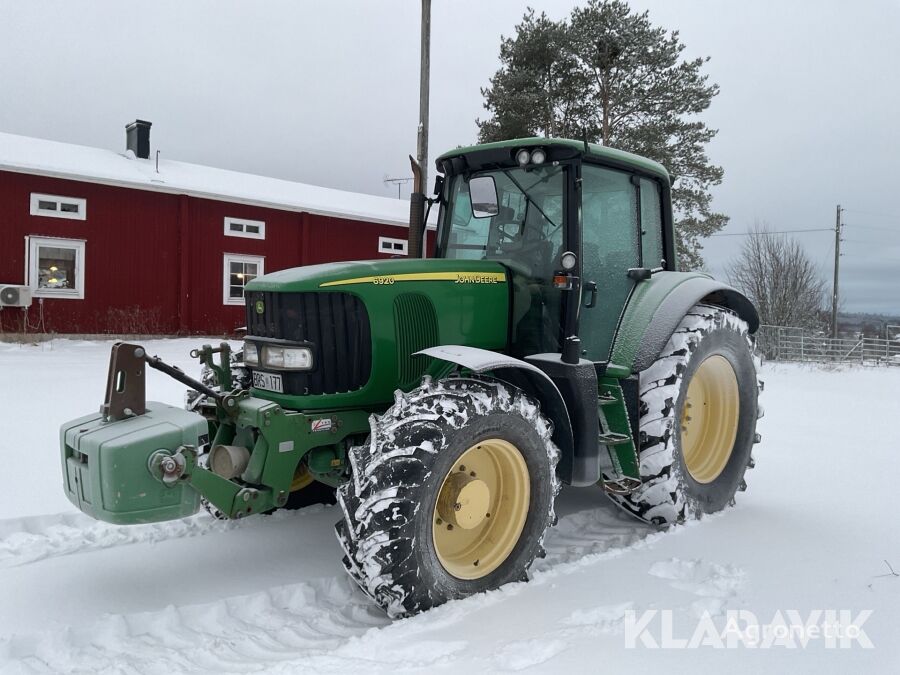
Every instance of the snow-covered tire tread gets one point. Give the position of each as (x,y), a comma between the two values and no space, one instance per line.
(380,501)
(662,498)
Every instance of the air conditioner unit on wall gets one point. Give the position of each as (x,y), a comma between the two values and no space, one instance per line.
(15,296)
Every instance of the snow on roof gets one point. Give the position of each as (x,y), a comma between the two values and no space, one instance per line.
(23,154)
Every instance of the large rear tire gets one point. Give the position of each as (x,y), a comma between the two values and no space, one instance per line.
(451,496)
(698,412)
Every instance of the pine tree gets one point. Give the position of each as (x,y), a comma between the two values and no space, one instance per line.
(607,74)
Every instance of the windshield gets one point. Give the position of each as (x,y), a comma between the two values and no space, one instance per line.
(527,231)
(526,235)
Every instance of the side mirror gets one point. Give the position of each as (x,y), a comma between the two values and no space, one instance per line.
(483,193)
(438,185)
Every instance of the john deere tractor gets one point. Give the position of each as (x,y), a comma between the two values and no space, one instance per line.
(550,340)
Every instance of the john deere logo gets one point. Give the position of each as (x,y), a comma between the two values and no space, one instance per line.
(260,307)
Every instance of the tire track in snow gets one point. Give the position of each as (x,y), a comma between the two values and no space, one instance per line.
(33,538)
(238,634)
(322,625)
(591,531)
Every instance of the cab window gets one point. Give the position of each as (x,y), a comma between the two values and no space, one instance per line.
(527,231)
(610,247)
(526,235)
(651,224)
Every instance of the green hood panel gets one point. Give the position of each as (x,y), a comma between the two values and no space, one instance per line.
(354,276)
(411,304)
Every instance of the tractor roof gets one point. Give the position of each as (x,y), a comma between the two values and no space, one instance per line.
(597,152)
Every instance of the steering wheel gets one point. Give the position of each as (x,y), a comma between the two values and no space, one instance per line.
(504,235)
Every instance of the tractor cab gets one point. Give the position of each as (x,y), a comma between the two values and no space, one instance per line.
(577,225)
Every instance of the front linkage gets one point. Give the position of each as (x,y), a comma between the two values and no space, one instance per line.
(140,461)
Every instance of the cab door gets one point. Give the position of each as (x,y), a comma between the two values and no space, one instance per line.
(611,245)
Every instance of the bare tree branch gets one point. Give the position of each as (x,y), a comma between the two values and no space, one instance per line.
(777,275)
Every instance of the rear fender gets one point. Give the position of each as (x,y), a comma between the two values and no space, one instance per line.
(657,306)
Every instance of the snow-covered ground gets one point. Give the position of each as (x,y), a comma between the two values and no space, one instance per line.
(268,594)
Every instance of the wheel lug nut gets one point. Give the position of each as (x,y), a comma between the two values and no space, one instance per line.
(449,527)
(472,473)
(439,521)
(457,506)
(462,467)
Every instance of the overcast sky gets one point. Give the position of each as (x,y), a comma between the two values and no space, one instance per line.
(327,93)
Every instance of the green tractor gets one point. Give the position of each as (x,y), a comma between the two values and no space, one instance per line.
(551,340)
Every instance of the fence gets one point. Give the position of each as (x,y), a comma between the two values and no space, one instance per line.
(784,343)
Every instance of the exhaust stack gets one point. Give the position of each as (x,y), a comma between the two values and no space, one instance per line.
(416,212)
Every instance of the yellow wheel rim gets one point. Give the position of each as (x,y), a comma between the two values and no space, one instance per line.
(302,478)
(481,509)
(709,419)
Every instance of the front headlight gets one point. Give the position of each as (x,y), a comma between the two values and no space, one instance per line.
(251,354)
(287,358)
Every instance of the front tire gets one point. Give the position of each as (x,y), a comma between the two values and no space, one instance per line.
(698,412)
(451,496)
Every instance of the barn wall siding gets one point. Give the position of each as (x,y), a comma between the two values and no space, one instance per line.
(130,254)
(154,261)
(281,249)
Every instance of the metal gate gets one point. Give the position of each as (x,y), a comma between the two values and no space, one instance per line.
(786,343)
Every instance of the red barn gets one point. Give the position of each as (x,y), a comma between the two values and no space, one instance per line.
(120,243)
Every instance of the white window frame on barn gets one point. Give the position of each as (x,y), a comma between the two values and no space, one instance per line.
(54,206)
(54,287)
(248,229)
(392,246)
(229,258)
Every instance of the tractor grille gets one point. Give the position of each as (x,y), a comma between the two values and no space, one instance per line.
(415,324)
(335,324)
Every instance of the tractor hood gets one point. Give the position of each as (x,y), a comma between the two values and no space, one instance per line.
(363,321)
(357,275)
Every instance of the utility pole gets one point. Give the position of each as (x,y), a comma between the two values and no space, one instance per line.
(424,72)
(419,165)
(835,296)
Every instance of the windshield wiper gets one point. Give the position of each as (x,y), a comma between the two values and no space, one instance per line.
(528,196)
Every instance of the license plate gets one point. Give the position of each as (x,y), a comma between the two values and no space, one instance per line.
(267,381)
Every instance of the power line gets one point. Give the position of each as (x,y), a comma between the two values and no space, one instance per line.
(869,256)
(875,227)
(747,234)
(874,213)
(890,244)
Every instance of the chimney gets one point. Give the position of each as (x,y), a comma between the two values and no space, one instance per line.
(137,138)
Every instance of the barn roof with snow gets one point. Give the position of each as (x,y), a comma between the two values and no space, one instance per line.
(98,241)
(24,154)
